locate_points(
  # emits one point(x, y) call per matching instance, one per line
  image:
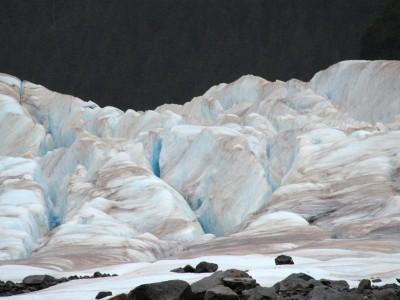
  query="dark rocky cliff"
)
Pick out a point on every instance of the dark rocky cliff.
point(139, 54)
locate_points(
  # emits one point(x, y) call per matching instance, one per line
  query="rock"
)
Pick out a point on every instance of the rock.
point(38, 279)
point(101, 295)
point(339, 285)
point(178, 270)
point(172, 289)
point(206, 267)
point(200, 287)
point(221, 292)
point(122, 296)
point(376, 280)
point(385, 294)
point(364, 285)
point(297, 285)
point(97, 274)
point(322, 293)
point(189, 269)
point(239, 284)
point(234, 273)
point(284, 260)
point(260, 293)
point(398, 280)
point(185, 269)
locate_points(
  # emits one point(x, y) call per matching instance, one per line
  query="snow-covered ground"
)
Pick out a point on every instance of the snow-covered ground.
point(247, 171)
point(260, 267)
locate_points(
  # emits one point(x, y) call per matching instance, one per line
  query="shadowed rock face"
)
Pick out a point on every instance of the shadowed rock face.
point(170, 52)
point(174, 289)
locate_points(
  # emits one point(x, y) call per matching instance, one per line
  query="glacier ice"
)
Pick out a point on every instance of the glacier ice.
point(249, 167)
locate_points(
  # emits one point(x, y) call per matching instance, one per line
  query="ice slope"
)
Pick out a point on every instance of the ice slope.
point(250, 167)
point(24, 209)
point(370, 90)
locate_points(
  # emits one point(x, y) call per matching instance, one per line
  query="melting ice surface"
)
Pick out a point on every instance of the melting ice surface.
point(249, 170)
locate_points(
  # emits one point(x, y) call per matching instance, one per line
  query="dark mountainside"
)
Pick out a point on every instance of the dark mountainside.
point(140, 54)
point(382, 38)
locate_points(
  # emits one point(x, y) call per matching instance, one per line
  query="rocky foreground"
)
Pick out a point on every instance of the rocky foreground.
point(34, 283)
point(231, 284)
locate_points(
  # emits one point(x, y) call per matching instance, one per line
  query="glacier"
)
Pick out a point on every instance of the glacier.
point(253, 167)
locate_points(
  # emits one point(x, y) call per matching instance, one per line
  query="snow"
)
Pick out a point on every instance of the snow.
point(260, 267)
point(248, 170)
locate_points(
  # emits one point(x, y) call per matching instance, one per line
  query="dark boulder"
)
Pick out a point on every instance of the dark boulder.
point(239, 284)
point(172, 289)
point(385, 294)
point(338, 285)
point(97, 274)
point(322, 293)
point(260, 293)
point(297, 285)
point(284, 260)
point(327, 293)
point(221, 292)
point(364, 284)
point(202, 267)
point(189, 269)
point(122, 296)
point(206, 267)
point(38, 279)
point(102, 295)
point(200, 287)
point(185, 269)
point(178, 270)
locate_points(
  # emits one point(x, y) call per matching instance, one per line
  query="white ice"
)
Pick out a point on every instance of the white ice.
point(249, 168)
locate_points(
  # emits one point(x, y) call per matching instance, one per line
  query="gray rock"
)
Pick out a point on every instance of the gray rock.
point(200, 287)
point(339, 285)
point(284, 260)
point(37, 279)
point(185, 269)
point(189, 269)
point(166, 290)
point(221, 292)
point(102, 295)
point(239, 284)
point(297, 282)
point(206, 267)
point(385, 294)
point(261, 293)
point(122, 296)
point(97, 274)
point(322, 293)
point(364, 284)
point(178, 270)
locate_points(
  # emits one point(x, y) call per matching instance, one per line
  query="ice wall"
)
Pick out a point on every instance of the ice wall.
point(369, 90)
point(258, 160)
